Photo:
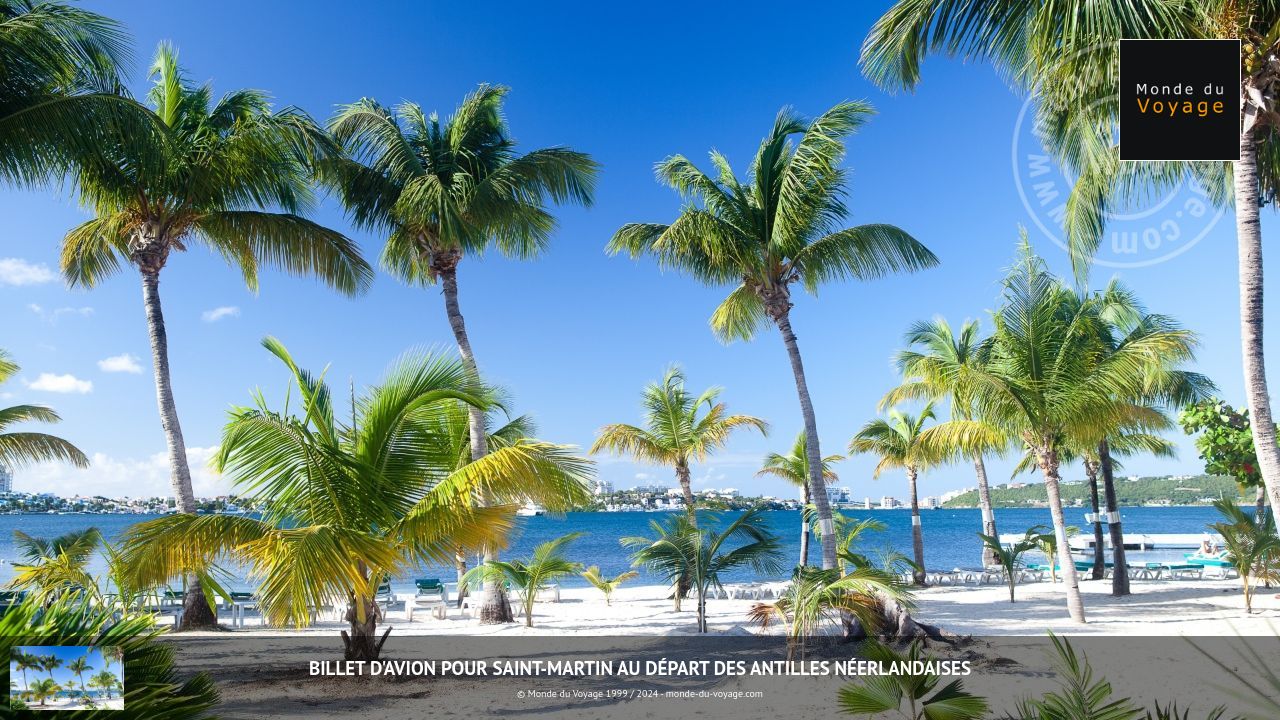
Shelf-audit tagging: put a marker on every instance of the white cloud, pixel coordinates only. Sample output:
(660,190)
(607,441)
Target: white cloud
(643,476)
(52,316)
(122,477)
(125,363)
(219,313)
(14,271)
(61,384)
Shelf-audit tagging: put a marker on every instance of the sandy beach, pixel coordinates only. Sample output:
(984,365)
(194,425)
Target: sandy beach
(1205,607)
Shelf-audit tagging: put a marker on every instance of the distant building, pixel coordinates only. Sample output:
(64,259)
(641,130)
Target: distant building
(841,495)
(866,504)
(603,487)
(887,502)
(930,503)
(6,479)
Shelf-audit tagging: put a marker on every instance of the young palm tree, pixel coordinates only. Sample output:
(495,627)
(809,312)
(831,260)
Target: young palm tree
(80,666)
(607,585)
(105,680)
(51,567)
(679,428)
(1252,547)
(547,565)
(42,690)
(1009,557)
(704,554)
(21,448)
(205,175)
(1049,381)
(896,442)
(779,227)
(348,505)
(930,368)
(444,190)
(1067,54)
(666,553)
(794,468)
(911,696)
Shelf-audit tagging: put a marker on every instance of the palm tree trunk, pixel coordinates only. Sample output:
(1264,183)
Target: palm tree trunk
(362,642)
(196,613)
(804,525)
(1099,555)
(494,608)
(1119,566)
(686,489)
(1049,468)
(1249,238)
(1260,506)
(917,533)
(988,511)
(817,487)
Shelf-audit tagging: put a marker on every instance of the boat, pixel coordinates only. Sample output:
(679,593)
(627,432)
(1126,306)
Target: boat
(531,509)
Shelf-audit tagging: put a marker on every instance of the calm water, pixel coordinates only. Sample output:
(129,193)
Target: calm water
(949,535)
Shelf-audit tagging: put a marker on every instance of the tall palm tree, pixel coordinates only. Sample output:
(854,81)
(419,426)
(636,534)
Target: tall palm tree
(49,663)
(1066,53)
(794,468)
(58,87)
(20,448)
(205,175)
(930,367)
(22,662)
(80,666)
(779,227)
(896,441)
(1049,381)
(679,428)
(350,504)
(445,190)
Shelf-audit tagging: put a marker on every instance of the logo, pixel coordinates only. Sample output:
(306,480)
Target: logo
(1161,227)
(1180,99)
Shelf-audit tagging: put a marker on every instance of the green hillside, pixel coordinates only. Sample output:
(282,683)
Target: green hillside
(1142,491)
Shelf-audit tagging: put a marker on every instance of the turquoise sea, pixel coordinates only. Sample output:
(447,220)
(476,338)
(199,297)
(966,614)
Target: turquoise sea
(949,535)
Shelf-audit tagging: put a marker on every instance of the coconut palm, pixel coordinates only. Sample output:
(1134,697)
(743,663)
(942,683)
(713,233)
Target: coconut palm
(779,227)
(704,554)
(547,565)
(607,585)
(444,190)
(21,448)
(930,366)
(80,666)
(896,441)
(111,654)
(665,553)
(1066,53)
(22,662)
(679,428)
(1009,557)
(349,504)
(59,87)
(105,680)
(794,468)
(206,175)
(49,663)
(42,690)
(1050,380)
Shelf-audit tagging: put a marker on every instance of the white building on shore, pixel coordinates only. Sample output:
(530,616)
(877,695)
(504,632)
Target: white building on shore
(6,479)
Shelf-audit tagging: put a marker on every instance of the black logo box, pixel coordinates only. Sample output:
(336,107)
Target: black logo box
(1191,65)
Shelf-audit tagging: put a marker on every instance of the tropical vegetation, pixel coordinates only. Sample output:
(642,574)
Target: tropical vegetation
(529,577)
(350,504)
(606,585)
(20,448)
(1252,546)
(912,696)
(779,227)
(794,469)
(1009,557)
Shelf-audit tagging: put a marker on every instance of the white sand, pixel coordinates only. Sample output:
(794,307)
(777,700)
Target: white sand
(1207,607)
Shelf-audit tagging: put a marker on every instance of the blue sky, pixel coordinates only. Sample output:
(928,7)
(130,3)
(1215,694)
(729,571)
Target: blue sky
(61,675)
(576,334)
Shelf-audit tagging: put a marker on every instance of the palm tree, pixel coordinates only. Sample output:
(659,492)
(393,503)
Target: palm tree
(930,367)
(1066,53)
(54,566)
(347,505)
(1009,557)
(80,666)
(105,680)
(22,662)
(679,428)
(58,91)
(49,663)
(666,553)
(1049,381)
(111,654)
(704,554)
(914,696)
(780,227)
(794,468)
(547,565)
(607,585)
(203,176)
(42,690)
(1252,547)
(20,448)
(896,442)
(444,190)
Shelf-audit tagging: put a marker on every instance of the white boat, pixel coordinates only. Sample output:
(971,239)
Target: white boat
(531,509)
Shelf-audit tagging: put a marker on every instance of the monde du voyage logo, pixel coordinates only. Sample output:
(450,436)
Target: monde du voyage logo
(1180,99)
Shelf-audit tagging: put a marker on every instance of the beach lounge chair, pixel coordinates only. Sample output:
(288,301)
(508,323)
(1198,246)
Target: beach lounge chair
(1184,571)
(992,573)
(1223,569)
(384,596)
(431,588)
(547,593)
